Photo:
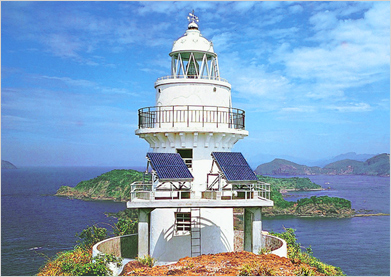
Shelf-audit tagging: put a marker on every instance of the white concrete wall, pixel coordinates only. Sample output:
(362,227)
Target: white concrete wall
(193,93)
(216,234)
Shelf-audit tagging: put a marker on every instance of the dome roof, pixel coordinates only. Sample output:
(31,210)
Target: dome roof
(192,41)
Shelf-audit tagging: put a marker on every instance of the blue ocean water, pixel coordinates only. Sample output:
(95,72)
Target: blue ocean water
(35,224)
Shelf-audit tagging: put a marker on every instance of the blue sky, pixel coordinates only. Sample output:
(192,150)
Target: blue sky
(313,77)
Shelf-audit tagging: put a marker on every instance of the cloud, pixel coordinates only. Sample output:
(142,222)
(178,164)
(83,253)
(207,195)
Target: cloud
(352,107)
(347,54)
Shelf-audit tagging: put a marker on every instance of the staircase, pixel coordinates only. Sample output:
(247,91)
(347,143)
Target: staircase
(195,232)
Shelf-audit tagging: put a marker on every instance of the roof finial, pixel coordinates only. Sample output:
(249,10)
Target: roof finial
(193,20)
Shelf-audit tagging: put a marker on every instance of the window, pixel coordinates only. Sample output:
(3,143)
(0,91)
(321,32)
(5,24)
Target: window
(187,156)
(182,222)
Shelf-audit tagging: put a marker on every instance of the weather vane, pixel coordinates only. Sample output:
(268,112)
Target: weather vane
(192,17)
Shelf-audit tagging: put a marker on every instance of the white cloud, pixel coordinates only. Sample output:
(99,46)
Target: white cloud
(352,107)
(350,53)
(301,109)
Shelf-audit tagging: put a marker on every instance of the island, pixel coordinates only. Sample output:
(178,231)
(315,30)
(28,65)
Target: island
(116,185)
(7,165)
(378,165)
(322,206)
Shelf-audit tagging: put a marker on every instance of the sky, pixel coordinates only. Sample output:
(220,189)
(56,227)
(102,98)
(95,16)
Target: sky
(313,77)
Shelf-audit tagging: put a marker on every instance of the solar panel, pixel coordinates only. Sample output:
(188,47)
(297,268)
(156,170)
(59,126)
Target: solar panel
(169,167)
(234,166)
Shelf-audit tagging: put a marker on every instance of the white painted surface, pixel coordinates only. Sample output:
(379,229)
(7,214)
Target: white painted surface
(178,92)
(216,234)
(192,40)
(197,89)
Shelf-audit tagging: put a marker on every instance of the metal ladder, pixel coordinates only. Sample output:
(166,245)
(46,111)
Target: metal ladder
(195,232)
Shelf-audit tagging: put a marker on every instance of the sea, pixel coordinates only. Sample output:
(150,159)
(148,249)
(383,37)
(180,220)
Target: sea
(35,224)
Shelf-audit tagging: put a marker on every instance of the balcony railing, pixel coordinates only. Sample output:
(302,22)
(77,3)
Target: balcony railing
(192,77)
(143,191)
(190,116)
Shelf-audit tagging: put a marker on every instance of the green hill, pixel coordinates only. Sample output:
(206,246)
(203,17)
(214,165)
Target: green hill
(284,167)
(378,165)
(113,185)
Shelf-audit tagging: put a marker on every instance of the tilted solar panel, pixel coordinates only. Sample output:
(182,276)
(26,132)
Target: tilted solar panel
(234,166)
(169,166)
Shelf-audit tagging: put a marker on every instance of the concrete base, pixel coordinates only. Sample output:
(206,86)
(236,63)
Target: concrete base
(143,231)
(253,229)
(158,236)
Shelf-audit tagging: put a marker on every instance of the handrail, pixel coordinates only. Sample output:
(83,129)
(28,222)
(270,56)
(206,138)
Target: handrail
(139,190)
(190,115)
(170,77)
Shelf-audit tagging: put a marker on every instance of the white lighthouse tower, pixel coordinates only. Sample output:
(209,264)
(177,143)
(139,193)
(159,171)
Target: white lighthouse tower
(187,207)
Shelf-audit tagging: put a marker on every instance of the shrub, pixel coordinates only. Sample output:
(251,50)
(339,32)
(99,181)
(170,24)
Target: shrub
(98,266)
(147,260)
(91,236)
(78,262)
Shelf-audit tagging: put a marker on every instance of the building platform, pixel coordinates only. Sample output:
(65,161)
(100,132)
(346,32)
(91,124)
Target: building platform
(198,203)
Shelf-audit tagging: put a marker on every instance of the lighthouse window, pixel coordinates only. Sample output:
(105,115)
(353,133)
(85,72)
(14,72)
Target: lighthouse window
(182,222)
(187,156)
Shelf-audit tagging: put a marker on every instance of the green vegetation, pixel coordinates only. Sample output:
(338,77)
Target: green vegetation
(297,256)
(285,167)
(113,185)
(294,183)
(127,222)
(79,261)
(91,236)
(314,206)
(339,203)
(147,260)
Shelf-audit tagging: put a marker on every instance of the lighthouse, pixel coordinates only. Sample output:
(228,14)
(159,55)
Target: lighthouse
(186,206)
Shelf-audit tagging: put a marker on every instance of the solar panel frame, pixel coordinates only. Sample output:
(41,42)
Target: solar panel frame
(169,167)
(234,167)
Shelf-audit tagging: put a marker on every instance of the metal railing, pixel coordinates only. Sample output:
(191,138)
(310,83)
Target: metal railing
(190,115)
(253,191)
(192,77)
(140,190)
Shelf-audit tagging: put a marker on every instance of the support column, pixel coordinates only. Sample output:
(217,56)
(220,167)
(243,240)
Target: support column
(143,231)
(252,229)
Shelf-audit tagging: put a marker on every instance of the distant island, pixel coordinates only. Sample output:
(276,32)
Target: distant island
(7,165)
(378,165)
(115,185)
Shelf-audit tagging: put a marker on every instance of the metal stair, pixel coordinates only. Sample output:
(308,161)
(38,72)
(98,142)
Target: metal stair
(195,232)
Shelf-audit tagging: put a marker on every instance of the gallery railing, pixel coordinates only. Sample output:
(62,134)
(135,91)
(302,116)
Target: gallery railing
(143,191)
(170,77)
(190,116)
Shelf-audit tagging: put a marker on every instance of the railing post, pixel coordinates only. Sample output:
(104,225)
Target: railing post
(217,117)
(149,118)
(188,115)
(243,122)
(139,119)
(160,117)
(173,107)
(203,114)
